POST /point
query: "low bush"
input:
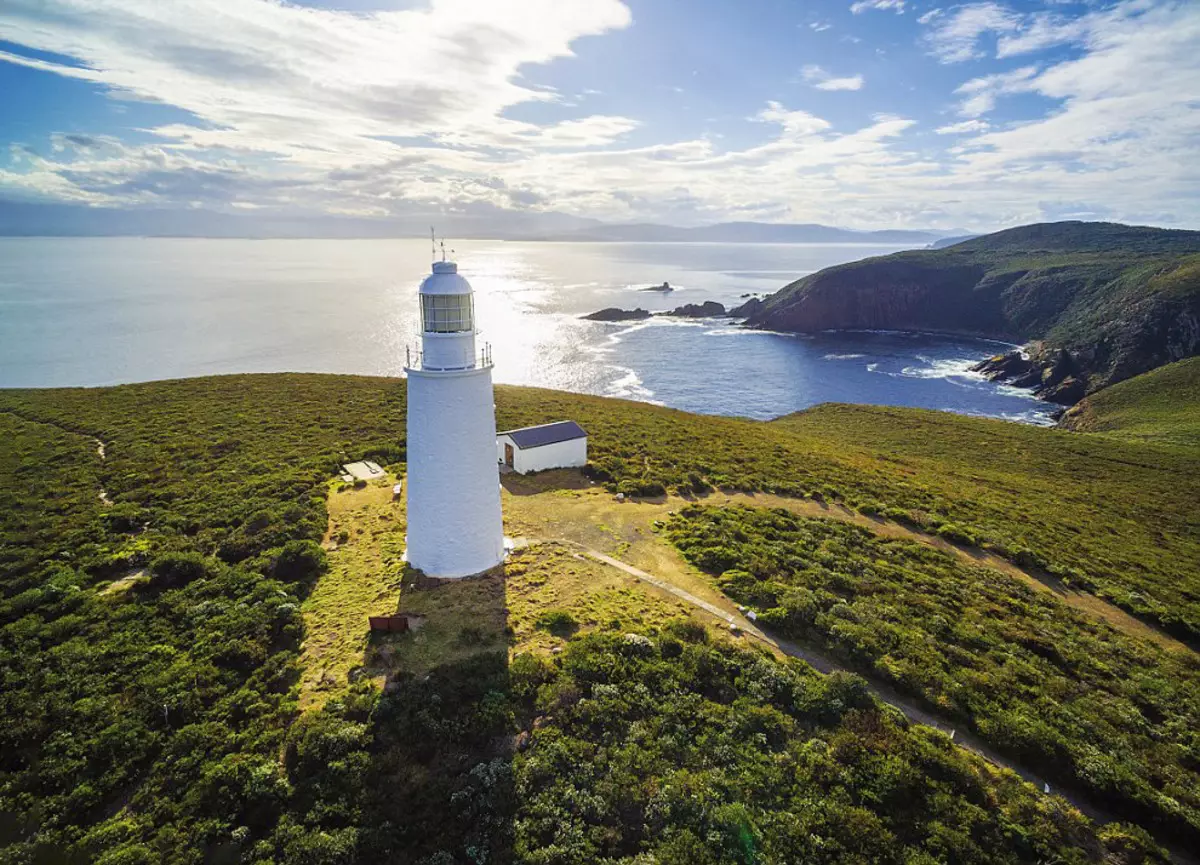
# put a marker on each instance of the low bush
(558, 622)
(300, 562)
(171, 570)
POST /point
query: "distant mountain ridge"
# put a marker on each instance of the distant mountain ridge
(741, 232)
(1097, 303)
(943, 242)
(26, 219)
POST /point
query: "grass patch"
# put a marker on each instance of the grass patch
(365, 539)
(1162, 406)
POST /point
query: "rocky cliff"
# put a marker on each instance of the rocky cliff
(1098, 303)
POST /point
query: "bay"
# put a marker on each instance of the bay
(99, 311)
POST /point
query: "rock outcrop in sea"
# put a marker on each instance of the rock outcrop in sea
(1054, 374)
(613, 313)
(708, 309)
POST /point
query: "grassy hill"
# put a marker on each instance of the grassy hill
(1120, 300)
(1160, 406)
(152, 650)
(1032, 495)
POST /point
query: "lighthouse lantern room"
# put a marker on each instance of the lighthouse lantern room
(454, 521)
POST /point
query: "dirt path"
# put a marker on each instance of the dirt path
(562, 504)
(100, 445)
(623, 536)
(1085, 602)
(100, 451)
(912, 710)
(735, 619)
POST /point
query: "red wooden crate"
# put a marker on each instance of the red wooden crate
(389, 623)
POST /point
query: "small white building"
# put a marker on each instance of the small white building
(536, 448)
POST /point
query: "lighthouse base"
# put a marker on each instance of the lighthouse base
(455, 528)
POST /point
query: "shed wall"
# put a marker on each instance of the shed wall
(558, 455)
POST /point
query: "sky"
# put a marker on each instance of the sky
(859, 113)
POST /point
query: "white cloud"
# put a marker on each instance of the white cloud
(819, 26)
(955, 36)
(268, 73)
(963, 128)
(981, 93)
(1042, 31)
(332, 112)
(865, 5)
(823, 80)
(795, 123)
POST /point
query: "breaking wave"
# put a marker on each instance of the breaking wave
(629, 386)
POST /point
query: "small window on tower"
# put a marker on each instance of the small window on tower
(446, 313)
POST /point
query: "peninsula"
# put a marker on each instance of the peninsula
(1096, 303)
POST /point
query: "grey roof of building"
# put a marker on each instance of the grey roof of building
(546, 434)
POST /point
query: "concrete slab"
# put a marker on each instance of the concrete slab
(363, 471)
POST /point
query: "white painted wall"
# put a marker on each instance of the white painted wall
(455, 527)
(559, 455)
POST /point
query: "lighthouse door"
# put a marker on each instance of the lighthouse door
(508, 455)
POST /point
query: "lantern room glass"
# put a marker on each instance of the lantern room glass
(447, 313)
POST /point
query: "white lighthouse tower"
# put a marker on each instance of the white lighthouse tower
(454, 523)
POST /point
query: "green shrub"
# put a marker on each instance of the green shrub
(686, 629)
(123, 517)
(641, 488)
(220, 654)
(300, 562)
(557, 622)
(171, 570)
(956, 535)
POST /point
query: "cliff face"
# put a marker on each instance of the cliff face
(883, 294)
(1101, 302)
(1153, 334)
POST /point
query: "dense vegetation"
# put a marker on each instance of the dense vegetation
(1120, 299)
(1080, 700)
(1160, 406)
(149, 649)
(632, 748)
(1111, 516)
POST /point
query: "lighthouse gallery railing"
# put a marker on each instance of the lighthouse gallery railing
(414, 359)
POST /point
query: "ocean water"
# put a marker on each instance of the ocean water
(97, 311)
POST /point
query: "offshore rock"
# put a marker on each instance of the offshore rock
(612, 313)
(708, 309)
